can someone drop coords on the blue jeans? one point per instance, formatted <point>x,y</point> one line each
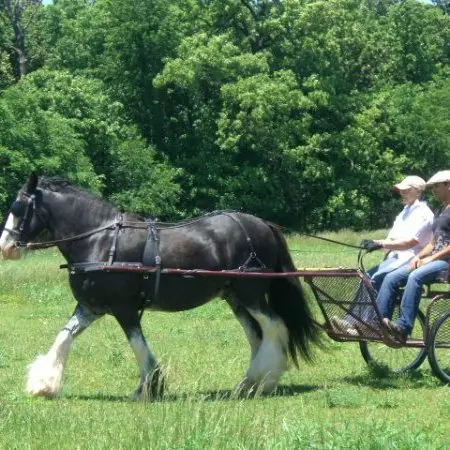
<point>377,273</point>
<point>413,282</point>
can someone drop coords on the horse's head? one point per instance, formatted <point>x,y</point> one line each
<point>23,222</point>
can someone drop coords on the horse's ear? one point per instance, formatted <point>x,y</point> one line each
<point>32,183</point>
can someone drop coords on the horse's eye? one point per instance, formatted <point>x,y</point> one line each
<point>18,208</point>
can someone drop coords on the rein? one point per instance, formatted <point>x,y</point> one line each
<point>333,241</point>
<point>116,224</point>
<point>119,223</point>
<point>361,253</point>
<point>358,247</point>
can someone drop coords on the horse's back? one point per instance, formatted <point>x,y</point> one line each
<point>218,242</point>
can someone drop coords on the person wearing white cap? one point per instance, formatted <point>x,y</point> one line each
<point>409,234</point>
<point>427,266</point>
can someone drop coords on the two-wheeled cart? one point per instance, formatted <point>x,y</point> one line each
<point>347,295</point>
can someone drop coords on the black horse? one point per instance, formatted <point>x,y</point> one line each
<point>92,234</point>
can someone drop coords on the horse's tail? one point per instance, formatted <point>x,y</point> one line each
<point>287,299</point>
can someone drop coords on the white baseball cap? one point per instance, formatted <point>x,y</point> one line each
<point>412,181</point>
<point>440,177</point>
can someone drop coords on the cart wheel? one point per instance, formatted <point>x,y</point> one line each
<point>439,347</point>
<point>400,359</point>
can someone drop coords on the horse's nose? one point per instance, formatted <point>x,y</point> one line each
<point>10,251</point>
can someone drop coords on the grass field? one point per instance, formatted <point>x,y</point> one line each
<point>333,403</point>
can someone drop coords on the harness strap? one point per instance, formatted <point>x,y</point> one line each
<point>152,258</point>
<point>113,248</point>
<point>151,249</point>
<point>252,256</point>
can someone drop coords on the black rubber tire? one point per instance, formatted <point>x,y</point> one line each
<point>439,357</point>
<point>397,360</point>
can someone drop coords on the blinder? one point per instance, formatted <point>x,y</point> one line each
<point>18,208</point>
<point>22,208</point>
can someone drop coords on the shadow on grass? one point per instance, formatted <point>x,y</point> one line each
<point>100,397</point>
<point>380,377</point>
<point>282,391</point>
<point>206,396</point>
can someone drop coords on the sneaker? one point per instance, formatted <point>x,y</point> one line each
<point>343,326</point>
<point>352,331</point>
<point>395,331</point>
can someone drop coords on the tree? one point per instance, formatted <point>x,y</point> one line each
<point>123,44</point>
<point>418,38</point>
<point>19,15</point>
<point>189,88</point>
<point>273,165</point>
<point>443,4</point>
<point>56,123</point>
<point>421,126</point>
<point>6,72</point>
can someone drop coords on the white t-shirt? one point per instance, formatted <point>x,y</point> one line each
<point>414,222</point>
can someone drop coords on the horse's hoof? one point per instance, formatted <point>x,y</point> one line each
<point>247,388</point>
<point>152,389</point>
<point>44,378</point>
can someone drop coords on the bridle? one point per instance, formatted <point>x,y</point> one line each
<point>25,206</point>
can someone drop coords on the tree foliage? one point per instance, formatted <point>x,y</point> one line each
<point>54,122</point>
<point>443,4</point>
<point>304,112</point>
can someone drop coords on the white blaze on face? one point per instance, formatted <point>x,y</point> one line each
<point>7,241</point>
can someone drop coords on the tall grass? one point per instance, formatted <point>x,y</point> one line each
<point>333,403</point>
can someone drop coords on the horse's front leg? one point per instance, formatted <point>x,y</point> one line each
<point>151,385</point>
<point>45,373</point>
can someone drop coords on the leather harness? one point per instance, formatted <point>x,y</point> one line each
<point>151,257</point>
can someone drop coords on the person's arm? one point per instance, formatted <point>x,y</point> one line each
<point>409,232</point>
<point>441,254</point>
<point>397,244</point>
<point>417,261</point>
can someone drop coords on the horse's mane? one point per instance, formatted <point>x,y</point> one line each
<point>54,184</point>
<point>62,185</point>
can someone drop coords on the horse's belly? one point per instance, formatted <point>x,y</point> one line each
<point>101,291</point>
<point>178,294</point>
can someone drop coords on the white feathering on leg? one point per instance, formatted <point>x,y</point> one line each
<point>45,373</point>
<point>270,362</point>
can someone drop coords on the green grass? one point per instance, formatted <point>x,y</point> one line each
<point>335,402</point>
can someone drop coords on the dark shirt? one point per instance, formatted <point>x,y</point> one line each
<point>441,230</point>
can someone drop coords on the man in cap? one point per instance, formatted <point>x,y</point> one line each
<point>427,266</point>
<point>410,233</point>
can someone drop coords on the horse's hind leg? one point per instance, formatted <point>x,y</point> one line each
<point>270,361</point>
<point>151,383</point>
<point>251,327</point>
<point>45,373</point>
